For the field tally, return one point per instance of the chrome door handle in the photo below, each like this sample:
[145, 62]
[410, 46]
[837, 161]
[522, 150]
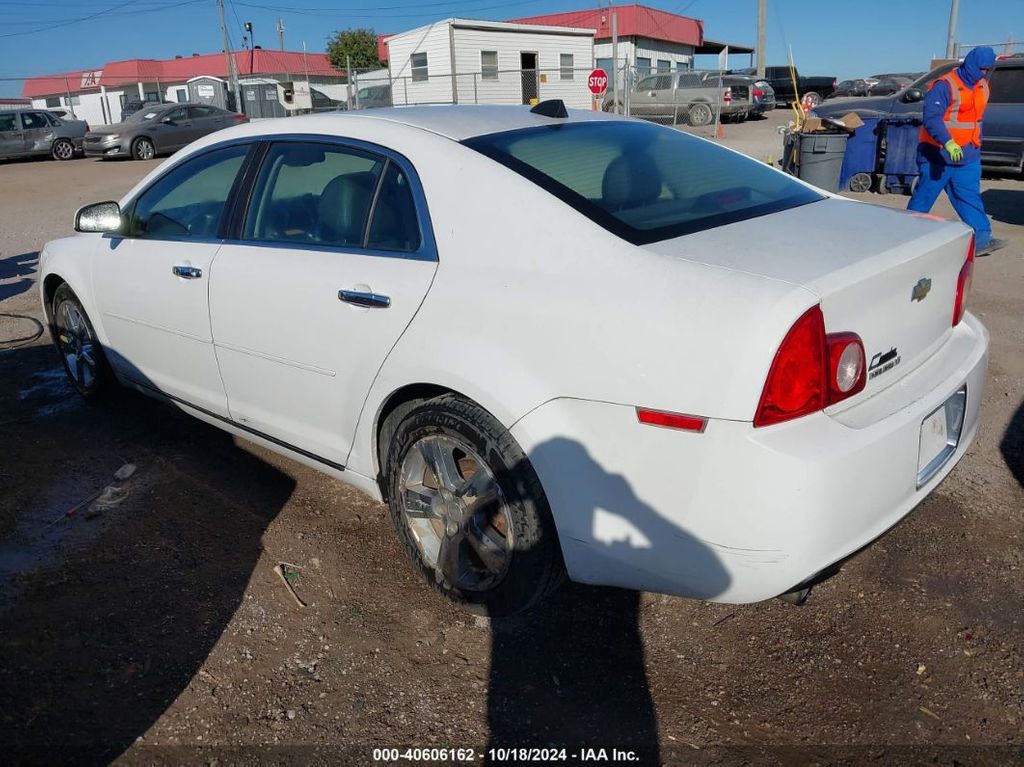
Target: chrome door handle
[188, 272]
[369, 300]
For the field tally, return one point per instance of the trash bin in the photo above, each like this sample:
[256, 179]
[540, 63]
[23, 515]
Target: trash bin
[821, 159]
[860, 163]
[899, 153]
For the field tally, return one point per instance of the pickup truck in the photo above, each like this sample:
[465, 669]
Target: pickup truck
[694, 97]
[816, 88]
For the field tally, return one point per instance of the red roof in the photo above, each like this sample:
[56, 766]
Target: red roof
[115, 74]
[633, 21]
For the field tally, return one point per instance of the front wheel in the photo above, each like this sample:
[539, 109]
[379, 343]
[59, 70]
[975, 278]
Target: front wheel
[469, 508]
[76, 343]
[143, 149]
[62, 149]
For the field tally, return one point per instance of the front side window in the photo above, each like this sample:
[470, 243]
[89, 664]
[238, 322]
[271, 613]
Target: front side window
[188, 201]
[418, 63]
[31, 120]
[643, 182]
[489, 65]
[177, 115]
[565, 66]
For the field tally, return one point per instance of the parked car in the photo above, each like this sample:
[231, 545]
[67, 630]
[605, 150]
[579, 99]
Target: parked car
[159, 129]
[373, 96]
[365, 316]
[691, 96]
[321, 102]
[134, 105]
[1002, 143]
[763, 98]
[848, 88]
[890, 85]
[36, 132]
[816, 89]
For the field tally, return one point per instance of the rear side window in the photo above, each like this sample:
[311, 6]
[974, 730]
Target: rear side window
[188, 201]
[1007, 85]
[33, 120]
[643, 182]
[395, 225]
[7, 122]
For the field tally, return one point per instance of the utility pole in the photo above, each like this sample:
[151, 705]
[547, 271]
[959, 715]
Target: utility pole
[615, 62]
[232, 70]
[280, 34]
[762, 19]
[954, 8]
[252, 45]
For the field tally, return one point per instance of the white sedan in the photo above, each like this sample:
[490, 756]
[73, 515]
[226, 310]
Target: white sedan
[551, 343]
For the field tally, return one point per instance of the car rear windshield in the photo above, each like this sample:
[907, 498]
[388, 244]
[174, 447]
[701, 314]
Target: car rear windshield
[643, 182]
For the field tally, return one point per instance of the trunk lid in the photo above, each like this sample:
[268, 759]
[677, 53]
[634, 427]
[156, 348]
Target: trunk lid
[885, 275]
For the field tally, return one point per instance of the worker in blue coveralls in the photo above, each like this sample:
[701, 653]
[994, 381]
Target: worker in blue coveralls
[949, 152]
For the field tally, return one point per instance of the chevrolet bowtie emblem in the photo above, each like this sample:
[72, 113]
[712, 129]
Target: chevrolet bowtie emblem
[921, 289]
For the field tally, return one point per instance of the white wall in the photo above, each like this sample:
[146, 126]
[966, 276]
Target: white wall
[433, 40]
[88, 107]
[508, 88]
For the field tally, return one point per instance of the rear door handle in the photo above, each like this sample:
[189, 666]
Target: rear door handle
[360, 298]
[188, 272]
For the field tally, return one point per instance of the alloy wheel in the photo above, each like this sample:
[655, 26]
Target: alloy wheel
[63, 150]
[457, 514]
[144, 149]
[77, 344]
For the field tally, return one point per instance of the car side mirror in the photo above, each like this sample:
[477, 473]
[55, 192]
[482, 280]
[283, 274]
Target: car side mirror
[104, 217]
[913, 95]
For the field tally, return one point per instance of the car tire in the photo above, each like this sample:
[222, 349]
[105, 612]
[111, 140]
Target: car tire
[490, 543]
[143, 149]
[814, 99]
[62, 149]
[700, 114]
[77, 346]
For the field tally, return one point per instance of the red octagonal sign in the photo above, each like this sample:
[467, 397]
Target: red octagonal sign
[598, 82]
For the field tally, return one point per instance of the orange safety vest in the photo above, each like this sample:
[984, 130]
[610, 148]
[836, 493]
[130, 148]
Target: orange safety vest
[963, 115]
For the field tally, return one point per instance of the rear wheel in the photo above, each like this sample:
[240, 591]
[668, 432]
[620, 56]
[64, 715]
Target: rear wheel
[76, 343]
[699, 115]
[62, 149]
[468, 507]
[142, 149]
[813, 98]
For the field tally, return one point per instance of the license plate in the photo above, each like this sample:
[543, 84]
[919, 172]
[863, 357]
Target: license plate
[940, 435]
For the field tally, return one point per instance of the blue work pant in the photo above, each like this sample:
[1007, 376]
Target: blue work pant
[962, 184]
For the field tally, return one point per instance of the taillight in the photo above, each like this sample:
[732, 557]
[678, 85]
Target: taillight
[240, 118]
[963, 285]
[811, 371]
[758, 93]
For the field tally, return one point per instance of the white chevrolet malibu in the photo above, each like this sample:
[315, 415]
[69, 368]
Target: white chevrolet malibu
[551, 343]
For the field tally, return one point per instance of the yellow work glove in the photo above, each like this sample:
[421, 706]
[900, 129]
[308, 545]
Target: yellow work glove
[956, 154]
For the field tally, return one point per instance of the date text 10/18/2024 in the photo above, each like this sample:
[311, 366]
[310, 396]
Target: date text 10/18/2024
[504, 754]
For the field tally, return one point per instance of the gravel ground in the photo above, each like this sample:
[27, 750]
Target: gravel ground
[158, 632]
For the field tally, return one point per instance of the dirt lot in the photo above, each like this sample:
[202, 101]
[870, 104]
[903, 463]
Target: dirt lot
[158, 632]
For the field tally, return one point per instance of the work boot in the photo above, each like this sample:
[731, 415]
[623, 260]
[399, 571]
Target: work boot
[991, 247]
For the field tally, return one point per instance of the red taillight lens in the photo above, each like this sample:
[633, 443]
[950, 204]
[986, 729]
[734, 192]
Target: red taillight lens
[963, 285]
[811, 371]
[796, 380]
[758, 93]
[240, 118]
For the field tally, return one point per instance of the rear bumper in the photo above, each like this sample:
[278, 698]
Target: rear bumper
[737, 514]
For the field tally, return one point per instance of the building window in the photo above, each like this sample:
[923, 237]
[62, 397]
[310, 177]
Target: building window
[489, 65]
[181, 94]
[565, 66]
[52, 102]
[72, 101]
[153, 97]
[682, 66]
[664, 65]
[418, 62]
[643, 66]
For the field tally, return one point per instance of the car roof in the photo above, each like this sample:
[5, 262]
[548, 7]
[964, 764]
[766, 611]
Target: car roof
[457, 122]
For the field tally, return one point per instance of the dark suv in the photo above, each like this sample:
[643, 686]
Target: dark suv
[1003, 134]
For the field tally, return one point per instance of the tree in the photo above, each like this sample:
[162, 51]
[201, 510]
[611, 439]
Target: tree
[359, 45]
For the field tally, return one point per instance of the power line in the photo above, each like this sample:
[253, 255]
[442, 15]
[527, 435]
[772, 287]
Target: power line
[347, 12]
[105, 13]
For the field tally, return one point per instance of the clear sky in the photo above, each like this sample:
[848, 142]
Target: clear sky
[842, 38]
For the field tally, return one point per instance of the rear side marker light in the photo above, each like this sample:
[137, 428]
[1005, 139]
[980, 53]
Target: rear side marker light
[811, 371]
[963, 285]
[671, 420]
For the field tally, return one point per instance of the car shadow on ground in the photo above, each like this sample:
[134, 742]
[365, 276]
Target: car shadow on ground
[96, 641]
[1012, 445]
[570, 673]
[1006, 205]
[22, 265]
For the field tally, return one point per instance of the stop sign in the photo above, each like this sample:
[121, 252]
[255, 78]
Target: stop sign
[598, 82]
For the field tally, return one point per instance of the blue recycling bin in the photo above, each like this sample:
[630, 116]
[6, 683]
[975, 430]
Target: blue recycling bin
[899, 150]
[861, 155]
